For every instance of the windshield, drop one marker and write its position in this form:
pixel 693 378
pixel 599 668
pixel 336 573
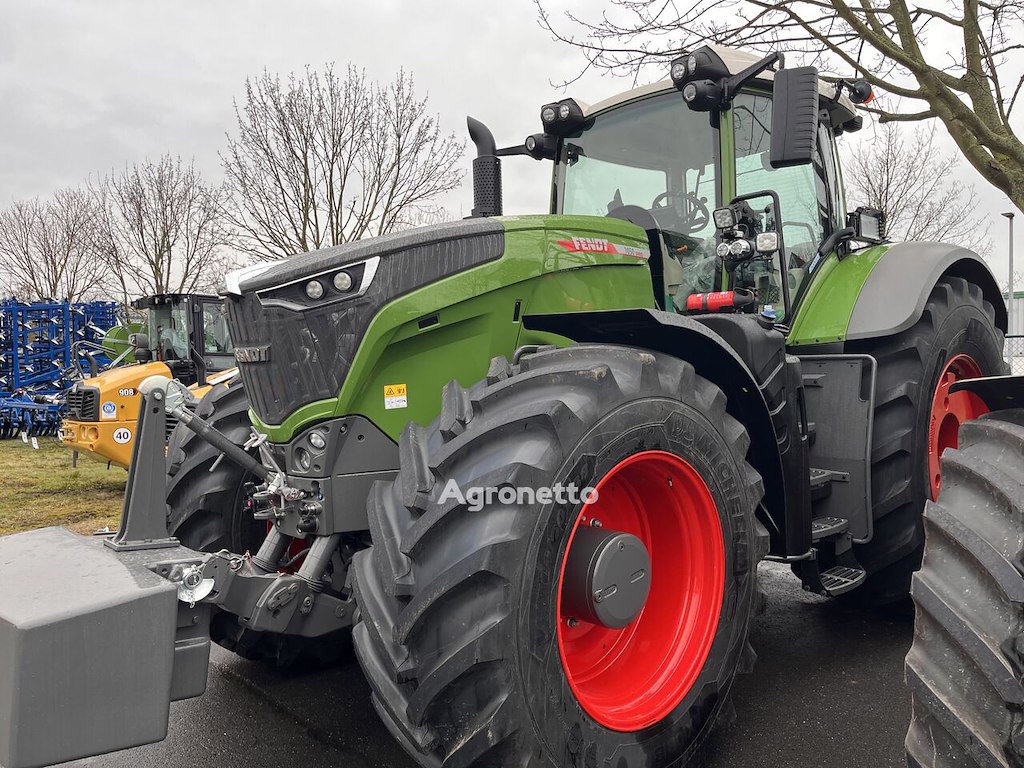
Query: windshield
pixel 660 156
pixel 168 331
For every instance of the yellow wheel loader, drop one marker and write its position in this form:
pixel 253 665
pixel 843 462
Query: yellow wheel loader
pixel 186 338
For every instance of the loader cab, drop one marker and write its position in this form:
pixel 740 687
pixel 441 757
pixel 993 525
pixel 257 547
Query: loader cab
pixel 651 157
pixel 188 332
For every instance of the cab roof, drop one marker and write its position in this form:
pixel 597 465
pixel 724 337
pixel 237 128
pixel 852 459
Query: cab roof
pixel 163 299
pixel 735 59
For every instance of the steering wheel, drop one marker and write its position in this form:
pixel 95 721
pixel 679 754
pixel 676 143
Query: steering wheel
pixel 695 212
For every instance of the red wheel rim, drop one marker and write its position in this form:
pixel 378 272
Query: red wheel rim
pixel 949 411
pixel 631 678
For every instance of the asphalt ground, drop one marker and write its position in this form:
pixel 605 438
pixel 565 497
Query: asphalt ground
pixel 827 692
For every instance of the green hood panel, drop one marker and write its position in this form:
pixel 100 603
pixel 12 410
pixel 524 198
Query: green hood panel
pixel 452 328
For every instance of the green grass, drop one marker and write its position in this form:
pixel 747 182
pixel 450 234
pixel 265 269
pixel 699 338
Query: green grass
pixel 40 488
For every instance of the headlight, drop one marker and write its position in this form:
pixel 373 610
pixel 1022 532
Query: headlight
pixel 691 63
pixel 722 250
pixel 314 289
pixel 317 441
pixel 304 459
pixel 547 115
pixel 690 92
pixel 343 281
pixel 563 111
pixel 678 70
pixel 739 247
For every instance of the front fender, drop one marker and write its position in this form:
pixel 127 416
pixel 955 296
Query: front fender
pixel 713 359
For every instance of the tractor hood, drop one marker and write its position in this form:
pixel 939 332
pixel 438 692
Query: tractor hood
pixel 293 349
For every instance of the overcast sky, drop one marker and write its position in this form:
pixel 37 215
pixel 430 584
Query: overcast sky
pixel 87 86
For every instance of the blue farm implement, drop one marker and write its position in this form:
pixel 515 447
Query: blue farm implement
pixel 42 348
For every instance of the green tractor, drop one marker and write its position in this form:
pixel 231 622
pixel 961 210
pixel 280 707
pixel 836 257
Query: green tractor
pixel 532 462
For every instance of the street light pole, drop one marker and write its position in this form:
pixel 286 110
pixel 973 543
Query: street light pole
pixel 1009 295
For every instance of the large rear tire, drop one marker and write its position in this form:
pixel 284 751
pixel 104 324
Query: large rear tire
pixel 206 511
pixel 468 635
pixel 965 667
pixel 955 337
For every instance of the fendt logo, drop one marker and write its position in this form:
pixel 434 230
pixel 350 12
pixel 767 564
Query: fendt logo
pixel 259 354
pixel 600 245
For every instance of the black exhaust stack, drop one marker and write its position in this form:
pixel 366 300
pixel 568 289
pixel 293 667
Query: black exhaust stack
pixel 486 171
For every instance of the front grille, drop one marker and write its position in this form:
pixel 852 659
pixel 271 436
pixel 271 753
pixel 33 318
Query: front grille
pixel 304 355
pixel 83 403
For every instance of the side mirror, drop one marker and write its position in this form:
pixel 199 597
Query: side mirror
pixel 794 116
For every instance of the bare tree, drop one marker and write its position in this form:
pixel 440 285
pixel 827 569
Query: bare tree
pixel 905 175
pixel 47 247
pixel 961 63
pixel 321 159
pixel 162 229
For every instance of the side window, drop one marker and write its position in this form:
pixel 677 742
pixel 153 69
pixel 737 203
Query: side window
pixel 834 174
pixel 804 198
pixel 216 340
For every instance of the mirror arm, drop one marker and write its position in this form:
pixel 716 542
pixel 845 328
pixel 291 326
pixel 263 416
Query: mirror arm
pixel 732 85
pixel 833 240
pixel 518 149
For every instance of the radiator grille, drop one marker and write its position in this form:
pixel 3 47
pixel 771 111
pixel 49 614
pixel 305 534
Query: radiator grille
pixel 83 403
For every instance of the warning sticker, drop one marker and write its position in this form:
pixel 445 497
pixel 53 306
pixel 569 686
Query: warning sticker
pixel 395 396
pixel 122 435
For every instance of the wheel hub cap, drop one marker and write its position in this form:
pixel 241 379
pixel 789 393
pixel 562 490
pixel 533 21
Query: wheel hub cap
pixel 607 577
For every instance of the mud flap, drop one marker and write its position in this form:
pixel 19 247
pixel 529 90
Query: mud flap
pixel 93 648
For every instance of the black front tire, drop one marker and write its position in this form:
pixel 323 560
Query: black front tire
pixel 956 320
pixel 206 504
pixel 458 607
pixel 965 669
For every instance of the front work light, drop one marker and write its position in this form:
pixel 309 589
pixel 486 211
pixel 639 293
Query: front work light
pixel 767 242
pixel 724 218
pixel 563 118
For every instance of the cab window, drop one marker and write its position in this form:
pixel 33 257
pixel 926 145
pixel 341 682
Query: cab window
pixel 805 206
pixel 216 340
pixel 169 331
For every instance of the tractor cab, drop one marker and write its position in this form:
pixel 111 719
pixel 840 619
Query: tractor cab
pixel 695 173
pixel 186 332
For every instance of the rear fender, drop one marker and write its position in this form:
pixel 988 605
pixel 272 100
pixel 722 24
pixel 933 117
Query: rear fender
pixel 896 290
pixel 881 290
